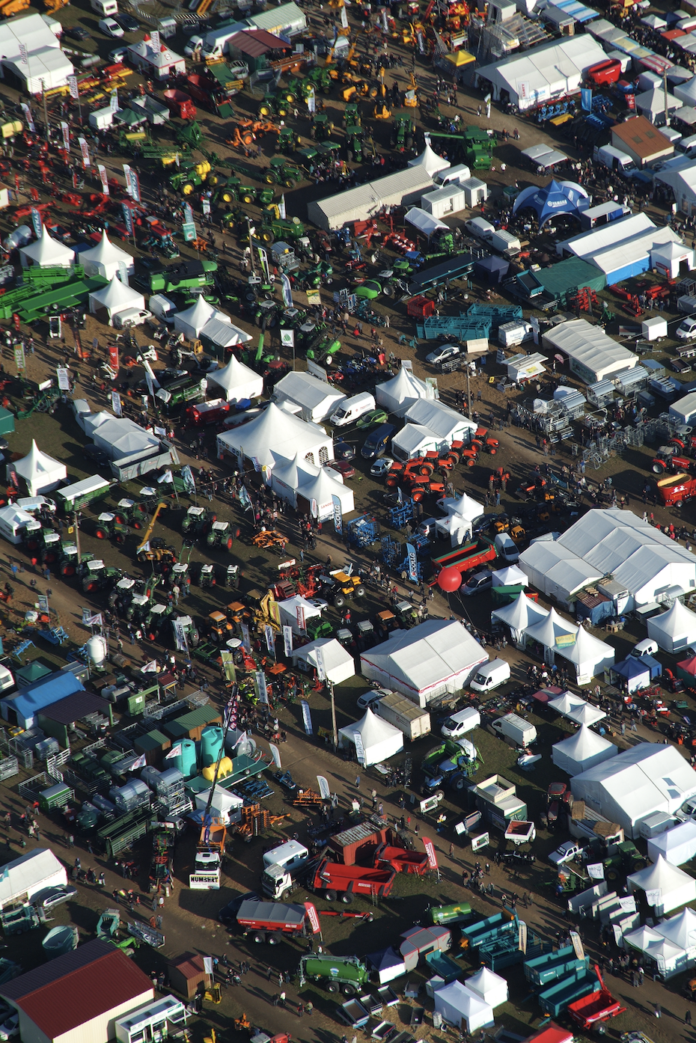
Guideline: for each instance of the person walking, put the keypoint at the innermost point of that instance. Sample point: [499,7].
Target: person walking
[657,1010]
[687,1018]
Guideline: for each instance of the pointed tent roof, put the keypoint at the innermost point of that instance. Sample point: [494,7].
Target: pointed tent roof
[293,472]
[490,986]
[117,296]
[430,160]
[586,647]
[465,506]
[372,730]
[660,876]
[321,487]
[676,622]
[586,714]
[688,666]
[403,389]
[37,464]
[521,613]
[642,937]
[274,427]
[680,929]
[510,576]
[565,703]
[105,252]
[44,251]
[664,950]
[584,744]
[198,314]
[548,632]
[235,374]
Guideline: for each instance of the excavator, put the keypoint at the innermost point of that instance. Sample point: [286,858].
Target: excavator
[144,551]
[411,96]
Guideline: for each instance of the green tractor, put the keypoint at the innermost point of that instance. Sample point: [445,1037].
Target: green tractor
[155,620]
[325,349]
[319,77]
[403,133]
[282,173]
[221,535]
[273,227]
[128,512]
[206,576]
[61,556]
[287,141]
[108,528]
[197,523]
[274,105]
[192,175]
[351,114]
[322,127]
[354,143]
[96,575]
[185,626]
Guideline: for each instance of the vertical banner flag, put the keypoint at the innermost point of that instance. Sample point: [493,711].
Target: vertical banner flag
[287,641]
[205,205]
[324,790]
[126,174]
[116,403]
[359,748]
[306,717]
[263,260]
[412,563]
[36,222]
[74,90]
[63,375]
[311,101]
[287,291]
[84,149]
[313,918]
[228,666]
[586,99]
[113,356]
[104,178]
[430,852]
[113,105]
[135,185]
[188,213]
[281,207]
[337,514]
[29,118]
[270,638]
[188,479]
[20,361]
[321,669]
[128,218]
[262,687]
[287,338]
[246,640]
[155,41]
[300,617]
[275,754]
[66,135]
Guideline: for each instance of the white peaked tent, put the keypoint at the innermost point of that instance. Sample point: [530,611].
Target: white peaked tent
[106,259]
[675,629]
[430,161]
[192,321]
[492,989]
[510,576]
[237,381]
[677,845]
[590,656]
[462,1008]
[669,958]
[274,429]
[665,886]
[379,739]
[586,714]
[462,511]
[565,703]
[519,615]
[339,665]
[114,298]
[295,611]
[288,475]
[548,632]
[45,251]
[680,930]
[320,491]
[582,751]
[40,472]
[398,394]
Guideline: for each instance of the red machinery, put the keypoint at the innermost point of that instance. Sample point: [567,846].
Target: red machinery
[598,1006]
[334,878]
[180,104]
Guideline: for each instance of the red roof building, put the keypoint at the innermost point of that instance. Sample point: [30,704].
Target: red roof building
[77,997]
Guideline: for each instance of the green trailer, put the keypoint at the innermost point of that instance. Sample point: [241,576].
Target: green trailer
[344,974]
[76,497]
[55,797]
[447,914]
[119,834]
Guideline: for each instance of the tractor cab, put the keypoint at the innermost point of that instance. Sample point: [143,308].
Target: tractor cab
[206,577]
[219,629]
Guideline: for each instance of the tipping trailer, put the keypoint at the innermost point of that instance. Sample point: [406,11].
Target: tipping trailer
[465,558]
[597,1006]
[401,860]
[271,921]
[332,879]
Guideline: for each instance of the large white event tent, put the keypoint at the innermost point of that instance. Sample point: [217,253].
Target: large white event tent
[674,629]
[297,480]
[380,740]
[462,1008]
[676,845]
[548,632]
[399,394]
[429,160]
[338,664]
[582,751]
[275,429]
[667,958]
[519,615]
[681,930]
[492,989]
[666,887]
[106,259]
[113,299]
[237,381]
[428,660]
[557,571]
[552,70]
[41,473]
[589,656]
[45,252]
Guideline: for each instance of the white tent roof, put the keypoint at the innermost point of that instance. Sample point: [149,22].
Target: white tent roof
[380,740]
[237,380]
[45,251]
[399,393]
[510,576]
[548,71]
[582,751]
[492,989]
[40,471]
[586,647]
[105,257]
[521,613]
[429,160]
[549,630]
[120,436]
[653,101]
[680,929]
[677,845]
[456,1003]
[587,345]
[465,506]
[117,297]
[674,629]
[308,391]
[222,332]
[29,873]
[322,488]
[554,569]
[642,937]
[338,663]
[439,418]
[275,429]
[586,714]
[424,222]
[565,703]
[191,321]
[660,876]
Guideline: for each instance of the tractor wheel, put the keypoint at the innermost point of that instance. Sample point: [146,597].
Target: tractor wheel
[230,541]
[120,519]
[332,986]
[267,235]
[417,495]
[237,533]
[100,534]
[119,538]
[470,463]
[50,558]
[359,592]
[658,468]
[347,898]
[247,197]
[282,111]
[270,178]
[32,544]
[89,585]
[339,601]
[492,451]
[409,142]
[426,469]
[290,98]
[212,179]
[187,188]
[349,990]
[330,895]
[227,197]
[289,182]
[265,110]
[138,524]
[67,570]
[679,503]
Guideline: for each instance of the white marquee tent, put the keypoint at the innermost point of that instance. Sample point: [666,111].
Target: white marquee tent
[380,740]
[586,714]
[510,576]
[275,429]
[316,399]
[519,615]
[339,665]
[681,930]
[674,629]
[676,845]
[582,751]
[462,1008]
[47,66]
[295,611]
[106,259]
[237,381]
[671,887]
[548,632]
[120,436]
[191,321]
[670,959]
[40,472]
[492,989]
[636,783]
[555,570]
[434,657]
[319,491]
[462,512]
[429,160]
[593,355]
[44,252]
[590,656]
[114,298]
[565,703]
[399,394]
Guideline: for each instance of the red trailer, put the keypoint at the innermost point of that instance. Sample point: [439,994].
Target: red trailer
[270,921]
[401,860]
[333,879]
[598,1006]
[608,71]
[204,413]
[180,104]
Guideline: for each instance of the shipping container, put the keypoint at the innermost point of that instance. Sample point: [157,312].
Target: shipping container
[405,715]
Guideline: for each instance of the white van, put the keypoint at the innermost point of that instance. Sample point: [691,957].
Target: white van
[131,317]
[289,856]
[460,723]
[104,7]
[351,409]
[479,227]
[453,175]
[645,647]
[506,548]
[6,679]
[490,675]
[514,729]
[613,158]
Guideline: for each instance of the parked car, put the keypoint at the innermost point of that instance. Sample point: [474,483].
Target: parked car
[567,852]
[687,812]
[687,329]
[375,416]
[478,582]
[76,32]
[127,22]
[96,454]
[344,451]
[343,467]
[428,526]
[110,27]
[118,55]
[441,354]
[50,897]
[381,467]
[645,647]
[10,1027]
[367,700]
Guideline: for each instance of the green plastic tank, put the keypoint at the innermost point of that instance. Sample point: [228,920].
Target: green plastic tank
[185,761]
[212,739]
[60,940]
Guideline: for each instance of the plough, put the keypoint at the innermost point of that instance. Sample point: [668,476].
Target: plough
[308,798]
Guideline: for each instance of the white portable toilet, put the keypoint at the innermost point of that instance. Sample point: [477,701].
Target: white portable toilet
[475,191]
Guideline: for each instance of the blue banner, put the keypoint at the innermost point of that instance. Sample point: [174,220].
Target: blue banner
[412,563]
[586,99]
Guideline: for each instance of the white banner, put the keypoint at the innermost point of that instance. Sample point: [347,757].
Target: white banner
[84,149]
[126,172]
[287,338]
[359,748]
[66,135]
[306,717]
[628,905]
[337,514]
[287,641]
[324,789]
[155,41]
[116,403]
[321,670]
[29,118]
[596,871]
[180,636]
[174,752]
[300,617]
[261,686]
[275,754]
[113,105]
[246,639]
[281,207]
[654,897]
[139,762]
[74,90]
[63,375]
[104,179]
[270,638]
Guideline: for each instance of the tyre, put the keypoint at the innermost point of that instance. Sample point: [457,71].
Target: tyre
[247,198]
[187,188]
[267,235]
[270,178]
[67,570]
[359,592]
[89,585]
[275,939]
[119,538]
[459,783]
[658,468]
[339,601]
[409,142]
[330,895]
[347,898]
[679,503]
[50,558]
[289,182]
[470,463]
[258,937]
[120,519]
[332,986]
[230,541]
[349,990]
[100,534]
[227,197]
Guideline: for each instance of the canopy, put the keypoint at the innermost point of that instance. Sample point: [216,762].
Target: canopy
[491,269]
[237,381]
[191,321]
[492,989]
[590,656]
[462,511]
[114,298]
[566,703]
[294,612]
[462,1008]
[319,492]
[665,886]
[398,394]
[45,252]
[586,714]
[670,959]
[425,222]
[224,804]
[635,672]
[677,845]
[549,630]
[276,429]
[519,615]
[120,437]
[105,259]
[675,629]
[338,664]
[380,740]
[680,929]
[510,576]
[40,472]
[582,751]
[558,197]
[429,160]
[222,333]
